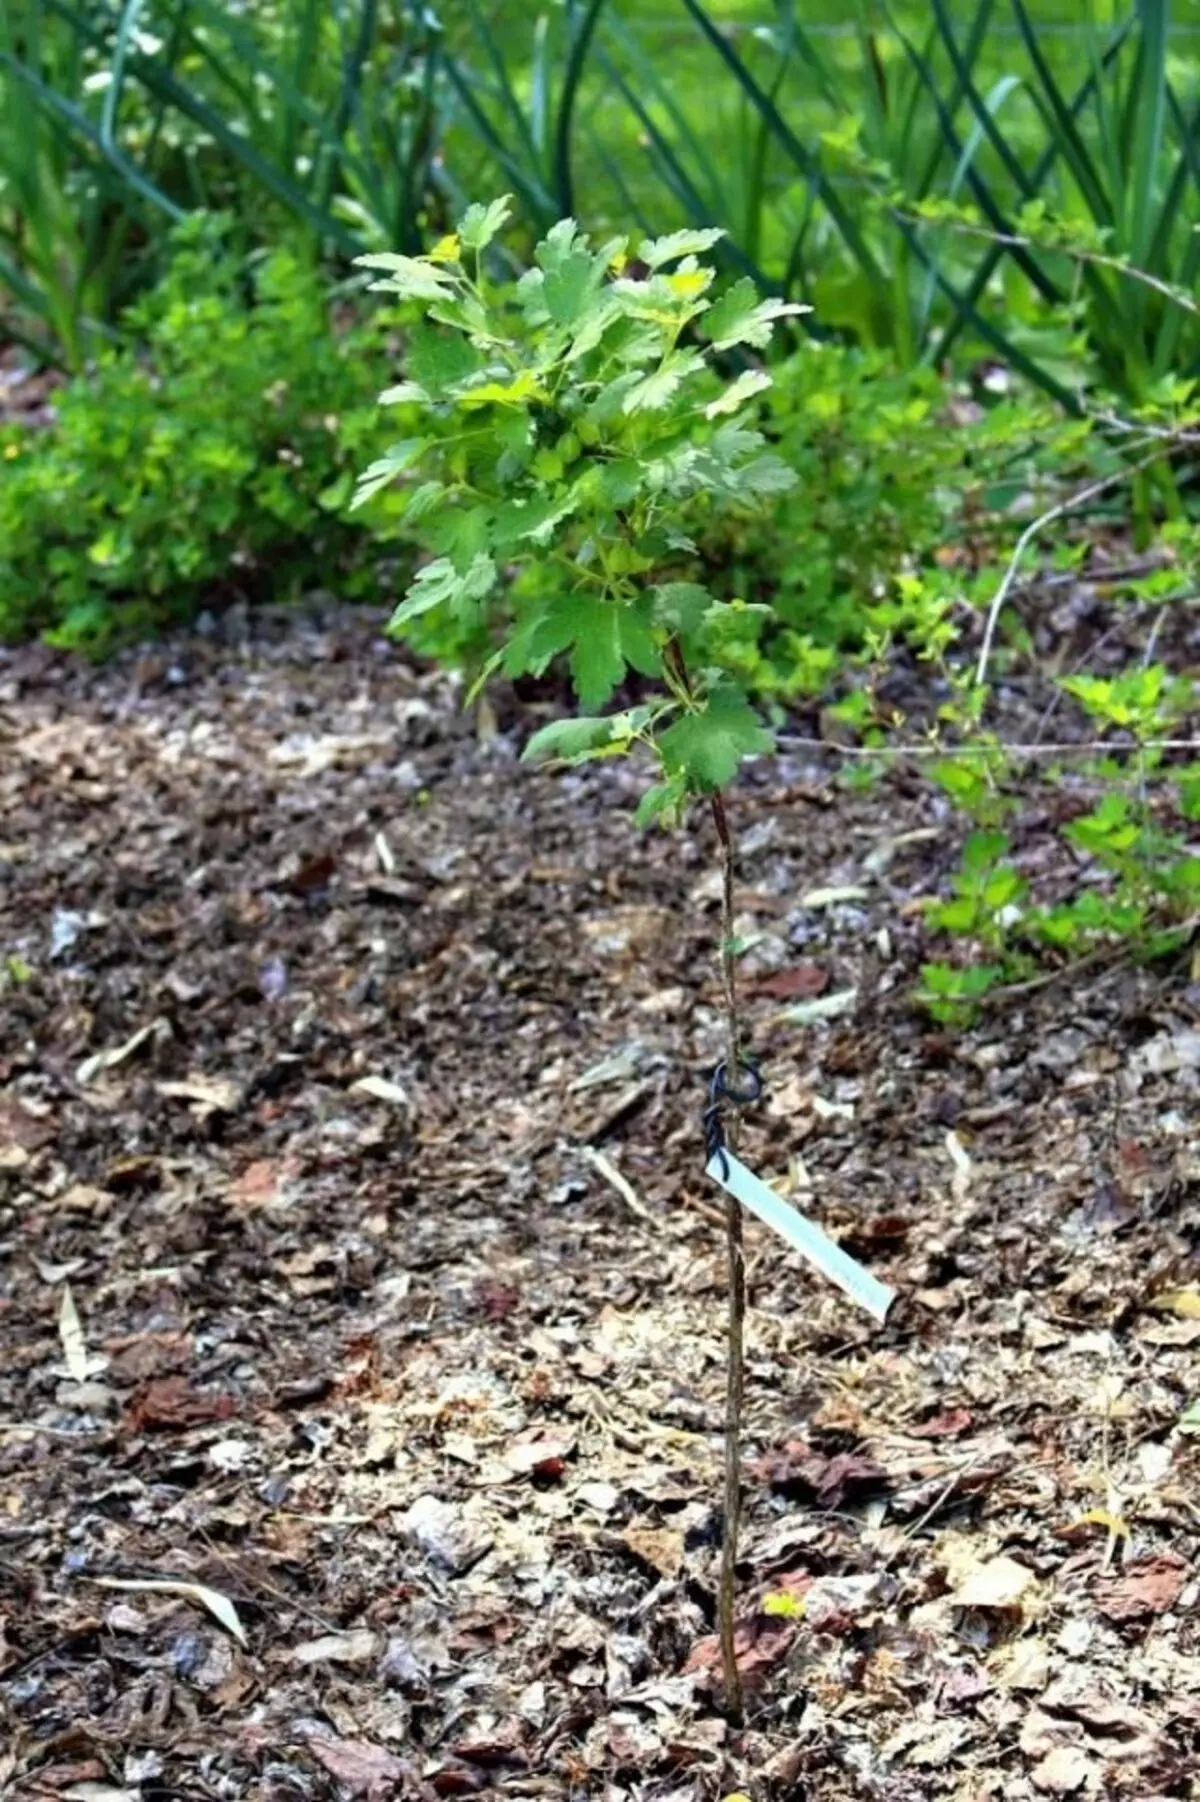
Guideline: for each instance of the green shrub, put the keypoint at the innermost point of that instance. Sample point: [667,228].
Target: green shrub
[573,434]
[200,468]
[905,489]
[118,118]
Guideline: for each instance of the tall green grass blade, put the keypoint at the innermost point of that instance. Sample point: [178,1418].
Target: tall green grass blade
[963,64]
[522,134]
[1148,117]
[535,196]
[1000,223]
[1061,124]
[416,165]
[579,42]
[754,159]
[700,211]
[539,88]
[272,77]
[336,156]
[830,84]
[1005,347]
[675,177]
[167,89]
[108,115]
[58,107]
[302,61]
[653,89]
[940,349]
[631,206]
[1166,349]
[804,159]
[991,104]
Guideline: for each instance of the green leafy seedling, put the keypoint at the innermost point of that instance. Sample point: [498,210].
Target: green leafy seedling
[577,428]
[575,432]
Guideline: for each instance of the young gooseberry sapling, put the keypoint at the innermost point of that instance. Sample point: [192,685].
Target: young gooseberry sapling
[574,429]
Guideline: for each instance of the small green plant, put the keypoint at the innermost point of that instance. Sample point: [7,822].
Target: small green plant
[1136,869]
[576,437]
[579,429]
[951,993]
[192,469]
[987,890]
[1153,875]
[984,908]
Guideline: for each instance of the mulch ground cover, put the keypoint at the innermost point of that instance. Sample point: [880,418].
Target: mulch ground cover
[362,1292]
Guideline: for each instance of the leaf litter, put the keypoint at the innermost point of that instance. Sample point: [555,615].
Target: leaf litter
[397,1417]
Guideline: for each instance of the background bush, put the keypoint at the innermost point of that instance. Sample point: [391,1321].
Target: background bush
[990,205]
[200,468]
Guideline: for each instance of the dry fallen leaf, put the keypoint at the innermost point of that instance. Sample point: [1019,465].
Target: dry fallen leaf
[211,1094]
[219,1606]
[1153,1586]
[265,1183]
[445,1534]
[170,1404]
[70,1331]
[1184,1302]
[100,1792]
[1064,1770]
[1113,1524]
[359,1647]
[659,1547]
[960,1182]
[601,1496]
[798,1470]
[796,982]
[22,1131]
[381,1090]
[1024,1665]
[91,1067]
[357,1765]
[829,897]
[1000,1583]
[539,1452]
[821,1007]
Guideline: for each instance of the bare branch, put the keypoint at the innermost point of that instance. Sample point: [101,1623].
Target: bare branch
[1079,499]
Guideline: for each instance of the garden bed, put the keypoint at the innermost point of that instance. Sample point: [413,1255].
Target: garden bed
[326,1029]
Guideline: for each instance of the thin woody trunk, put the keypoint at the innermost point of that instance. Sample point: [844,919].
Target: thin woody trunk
[737,1290]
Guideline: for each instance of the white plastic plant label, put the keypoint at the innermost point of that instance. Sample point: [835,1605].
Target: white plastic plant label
[813,1245]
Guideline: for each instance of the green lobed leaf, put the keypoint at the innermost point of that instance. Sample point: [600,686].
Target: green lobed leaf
[569,289]
[705,748]
[462,534]
[385,469]
[480,223]
[602,636]
[680,606]
[569,739]
[422,501]
[440,584]
[402,392]
[747,385]
[662,801]
[412,278]
[534,519]
[654,252]
[438,360]
[591,325]
[740,317]
[560,243]
[658,389]
[764,475]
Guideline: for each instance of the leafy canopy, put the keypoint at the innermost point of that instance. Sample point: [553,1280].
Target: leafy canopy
[574,425]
